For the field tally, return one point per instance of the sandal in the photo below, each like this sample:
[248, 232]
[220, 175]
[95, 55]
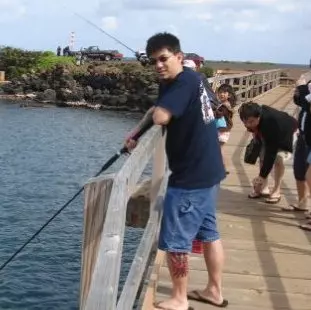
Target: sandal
[158, 306]
[254, 195]
[306, 227]
[308, 216]
[197, 296]
[273, 200]
[294, 208]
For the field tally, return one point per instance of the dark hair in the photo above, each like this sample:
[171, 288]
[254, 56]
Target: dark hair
[249, 109]
[229, 89]
[163, 40]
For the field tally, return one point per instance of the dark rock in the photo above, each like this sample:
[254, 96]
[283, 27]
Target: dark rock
[116, 86]
[122, 100]
[97, 92]
[66, 94]
[88, 92]
[112, 100]
[8, 89]
[47, 95]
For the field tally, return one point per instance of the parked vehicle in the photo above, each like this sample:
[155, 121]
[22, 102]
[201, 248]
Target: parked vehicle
[94, 53]
[198, 60]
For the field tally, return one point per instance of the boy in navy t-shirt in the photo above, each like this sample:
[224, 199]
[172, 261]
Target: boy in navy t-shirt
[196, 165]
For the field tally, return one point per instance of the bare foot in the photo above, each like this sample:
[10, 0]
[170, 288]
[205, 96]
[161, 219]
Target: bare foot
[171, 304]
[213, 294]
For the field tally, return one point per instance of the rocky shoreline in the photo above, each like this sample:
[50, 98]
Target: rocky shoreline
[123, 87]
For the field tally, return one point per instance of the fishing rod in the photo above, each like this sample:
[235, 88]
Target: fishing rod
[140, 56]
[103, 31]
[144, 128]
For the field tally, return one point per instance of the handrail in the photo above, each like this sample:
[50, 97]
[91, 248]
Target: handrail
[249, 84]
[243, 74]
[106, 269]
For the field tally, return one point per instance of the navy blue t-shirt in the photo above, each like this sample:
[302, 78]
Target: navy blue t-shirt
[192, 146]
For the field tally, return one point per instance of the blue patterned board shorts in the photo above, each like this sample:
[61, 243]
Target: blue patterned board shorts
[188, 215]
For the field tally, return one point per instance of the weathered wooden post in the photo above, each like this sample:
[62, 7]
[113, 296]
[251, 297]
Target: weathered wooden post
[2, 76]
[97, 195]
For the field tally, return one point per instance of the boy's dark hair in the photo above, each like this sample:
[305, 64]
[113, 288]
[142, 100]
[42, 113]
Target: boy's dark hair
[163, 40]
[228, 88]
[249, 109]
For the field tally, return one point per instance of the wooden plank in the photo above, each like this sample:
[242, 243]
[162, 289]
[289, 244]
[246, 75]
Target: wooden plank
[244, 299]
[259, 245]
[252, 282]
[268, 230]
[265, 263]
[96, 200]
[152, 285]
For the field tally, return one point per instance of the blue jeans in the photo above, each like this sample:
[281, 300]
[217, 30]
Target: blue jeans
[188, 215]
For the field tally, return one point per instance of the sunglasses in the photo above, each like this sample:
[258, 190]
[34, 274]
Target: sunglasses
[161, 59]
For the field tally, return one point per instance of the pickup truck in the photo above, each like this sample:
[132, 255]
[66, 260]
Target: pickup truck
[95, 53]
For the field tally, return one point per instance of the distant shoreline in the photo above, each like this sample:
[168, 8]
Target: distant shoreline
[31, 103]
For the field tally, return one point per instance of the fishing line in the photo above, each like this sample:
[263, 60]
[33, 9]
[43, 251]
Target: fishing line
[103, 31]
[108, 163]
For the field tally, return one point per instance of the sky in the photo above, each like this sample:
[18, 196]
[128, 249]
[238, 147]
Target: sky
[276, 31]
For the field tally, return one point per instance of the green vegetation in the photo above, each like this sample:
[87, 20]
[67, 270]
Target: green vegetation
[15, 61]
[208, 71]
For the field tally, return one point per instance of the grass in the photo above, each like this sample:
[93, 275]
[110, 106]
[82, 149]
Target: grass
[48, 61]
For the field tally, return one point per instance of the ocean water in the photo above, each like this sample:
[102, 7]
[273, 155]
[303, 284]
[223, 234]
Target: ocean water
[46, 154]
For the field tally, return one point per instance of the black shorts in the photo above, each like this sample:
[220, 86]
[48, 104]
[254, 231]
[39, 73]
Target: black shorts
[300, 159]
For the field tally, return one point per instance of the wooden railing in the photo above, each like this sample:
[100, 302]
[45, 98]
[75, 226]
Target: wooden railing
[249, 85]
[105, 214]
[106, 199]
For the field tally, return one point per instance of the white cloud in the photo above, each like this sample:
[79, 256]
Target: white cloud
[287, 7]
[204, 16]
[248, 13]
[151, 5]
[195, 1]
[262, 28]
[274, 27]
[173, 30]
[241, 26]
[10, 10]
[109, 23]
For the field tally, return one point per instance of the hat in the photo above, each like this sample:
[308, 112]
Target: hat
[189, 64]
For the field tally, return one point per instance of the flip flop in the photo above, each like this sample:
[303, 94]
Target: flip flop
[197, 296]
[273, 200]
[158, 306]
[306, 227]
[257, 196]
[293, 208]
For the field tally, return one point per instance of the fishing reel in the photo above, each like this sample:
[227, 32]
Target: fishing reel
[142, 57]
